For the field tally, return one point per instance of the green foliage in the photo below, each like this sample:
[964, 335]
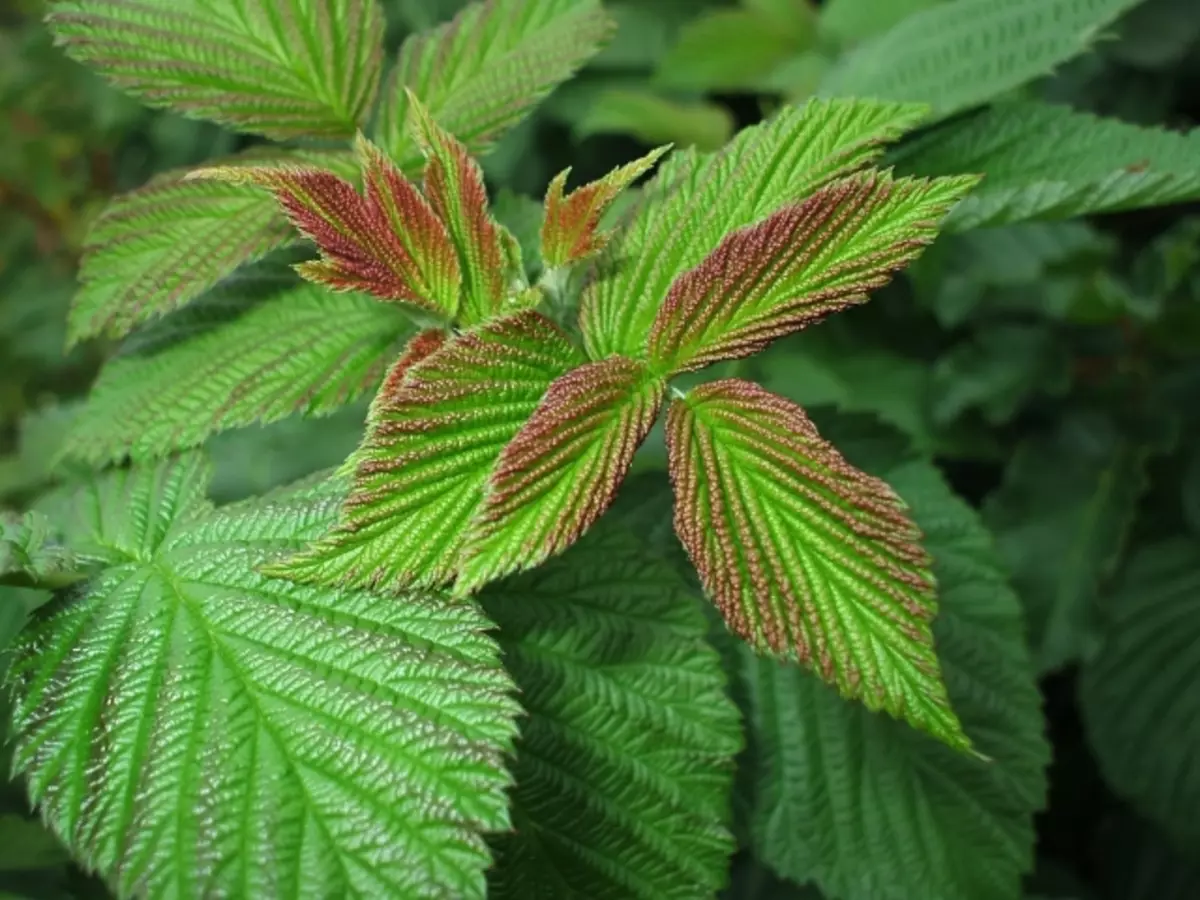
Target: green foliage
[953, 56]
[625, 795]
[1137, 690]
[288, 722]
[871, 810]
[30, 552]
[655, 119]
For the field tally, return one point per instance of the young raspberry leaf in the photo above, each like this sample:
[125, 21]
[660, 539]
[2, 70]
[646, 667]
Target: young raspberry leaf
[454, 185]
[387, 242]
[806, 556]
[799, 265]
[433, 440]
[562, 470]
[571, 229]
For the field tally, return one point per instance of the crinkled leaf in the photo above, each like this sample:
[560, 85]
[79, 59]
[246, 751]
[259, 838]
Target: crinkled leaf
[432, 443]
[872, 810]
[303, 350]
[624, 764]
[480, 74]
[806, 556]
[957, 55]
[189, 726]
[31, 555]
[158, 248]
[282, 68]
[454, 185]
[695, 200]
[571, 229]
[1138, 692]
[562, 469]
[1043, 161]
[387, 242]
[799, 265]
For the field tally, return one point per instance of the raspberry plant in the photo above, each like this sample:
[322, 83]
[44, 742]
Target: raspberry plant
[449, 667]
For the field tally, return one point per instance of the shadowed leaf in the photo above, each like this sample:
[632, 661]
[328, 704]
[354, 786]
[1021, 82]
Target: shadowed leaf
[806, 556]
[562, 470]
[801, 264]
[431, 445]
[571, 229]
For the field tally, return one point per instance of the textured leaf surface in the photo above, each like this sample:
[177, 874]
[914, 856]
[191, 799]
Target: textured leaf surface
[806, 556]
[421, 473]
[562, 469]
[455, 187]
[624, 764]
[571, 229]
[695, 200]
[282, 68]
[872, 810]
[157, 248]
[30, 552]
[319, 743]
[1049, 162]
[956, 55]
[303, 350]
[1138, 693]
[801, 264]
[387, 242]
[481, 73]
[1060, 520]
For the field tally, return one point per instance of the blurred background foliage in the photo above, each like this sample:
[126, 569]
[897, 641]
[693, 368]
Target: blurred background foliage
[1052, 369]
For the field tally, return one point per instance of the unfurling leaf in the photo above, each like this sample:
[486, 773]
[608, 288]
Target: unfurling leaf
[387, 242]
[806, 556]
[570, 231]
[189, 727]
[432, 443]
[455, 188]
[801, 264]
[562, 470]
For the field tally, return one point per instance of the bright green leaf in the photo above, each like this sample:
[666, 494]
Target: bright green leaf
[872, 810]
[320, 743]
[31, 554]
[624, 764]
[763, 169]
[957, 55]
[653, 118]
[282, 68]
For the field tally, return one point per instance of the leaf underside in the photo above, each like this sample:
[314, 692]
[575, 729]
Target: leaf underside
[561, 471]
[801, 264]
[624, 764]
[807, 557]
[872, 810]
[421, 472]
[764, 168]
[319, 743]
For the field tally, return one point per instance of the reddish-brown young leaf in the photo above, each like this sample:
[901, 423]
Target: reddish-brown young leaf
[454, 185]
[387, 242]
[806, 556]
[571, 229]
[422, 344]
[562, 470]
[802, 263]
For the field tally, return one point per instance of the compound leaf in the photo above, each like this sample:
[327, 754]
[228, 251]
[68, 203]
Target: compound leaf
[871, 810]
[806, 556]
[281, 68]
[624, 764]
[481, 73]
[318, 742]
[432, 443]
[1138, 691]
[695, 200]
[562, 469]
[158, 248]
[799, 265]
[303, 350]
[1050, 162]
[571, 229]
[957, 55]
